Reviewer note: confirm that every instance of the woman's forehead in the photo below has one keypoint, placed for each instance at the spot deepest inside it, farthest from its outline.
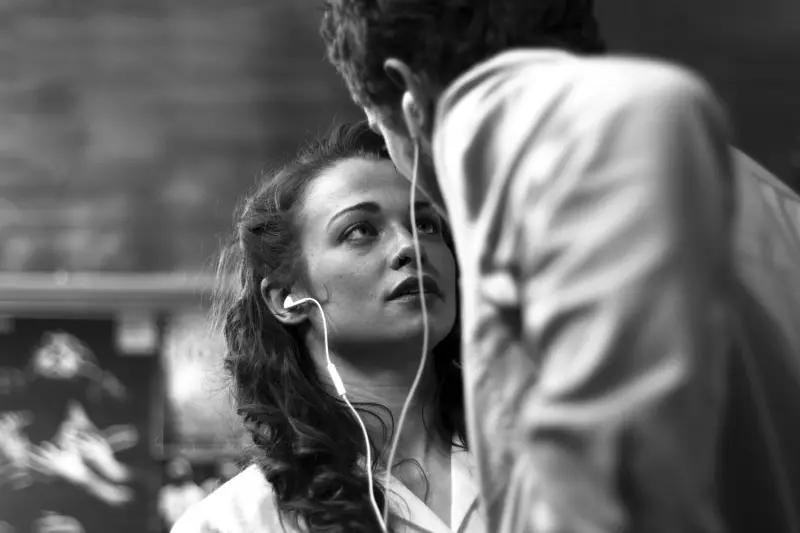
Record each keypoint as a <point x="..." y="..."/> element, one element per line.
<point x="355" y="181"/>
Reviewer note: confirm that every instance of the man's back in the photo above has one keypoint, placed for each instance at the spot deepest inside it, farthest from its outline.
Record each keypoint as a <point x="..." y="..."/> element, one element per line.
<point x="603" y="237"/>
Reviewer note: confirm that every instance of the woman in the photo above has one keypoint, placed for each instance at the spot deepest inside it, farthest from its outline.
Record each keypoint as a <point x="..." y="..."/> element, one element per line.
<point x="335" y="225"/>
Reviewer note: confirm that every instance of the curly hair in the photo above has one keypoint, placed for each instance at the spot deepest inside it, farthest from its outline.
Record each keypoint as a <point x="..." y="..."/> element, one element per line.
<point x="306" y="442"/>
<point x="444" y="38"/>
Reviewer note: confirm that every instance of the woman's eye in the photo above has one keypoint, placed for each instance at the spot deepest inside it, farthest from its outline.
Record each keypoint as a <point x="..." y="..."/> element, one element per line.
<point x="430" y="226"/>
<point x="359" y="231"/>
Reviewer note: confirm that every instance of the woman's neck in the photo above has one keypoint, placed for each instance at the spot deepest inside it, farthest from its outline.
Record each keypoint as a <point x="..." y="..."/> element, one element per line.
<point x="417" y="437"/>
<point x="388" y="386"/>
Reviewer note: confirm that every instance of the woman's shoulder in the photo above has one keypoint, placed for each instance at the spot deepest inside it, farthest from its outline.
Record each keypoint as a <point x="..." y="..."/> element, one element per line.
<point x="243" y="504"/>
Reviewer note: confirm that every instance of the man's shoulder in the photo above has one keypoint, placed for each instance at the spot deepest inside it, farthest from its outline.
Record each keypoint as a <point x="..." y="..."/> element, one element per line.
<point x="245" y="503"/>
<point x="619" y="84"/>
<point x="612" y="75"/>
<point x="544" y="85"/>
<point x="535" y="108"/>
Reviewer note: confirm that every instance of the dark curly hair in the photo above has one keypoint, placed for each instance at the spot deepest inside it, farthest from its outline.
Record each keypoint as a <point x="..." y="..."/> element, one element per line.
<point x="444" y="38"/>
<point x="306" y="442"/>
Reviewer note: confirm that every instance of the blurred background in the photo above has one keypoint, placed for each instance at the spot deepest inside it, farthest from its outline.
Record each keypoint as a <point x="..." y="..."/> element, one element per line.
<point x="128" y="130"/>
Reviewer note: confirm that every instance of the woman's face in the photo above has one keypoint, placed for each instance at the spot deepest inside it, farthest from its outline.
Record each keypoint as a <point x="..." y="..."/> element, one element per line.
<point x="357" y="245"/>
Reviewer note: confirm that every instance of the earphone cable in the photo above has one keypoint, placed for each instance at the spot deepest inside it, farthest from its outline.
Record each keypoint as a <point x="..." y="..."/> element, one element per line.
<point x="425" y="331"/>
<point x="339" y="385"/>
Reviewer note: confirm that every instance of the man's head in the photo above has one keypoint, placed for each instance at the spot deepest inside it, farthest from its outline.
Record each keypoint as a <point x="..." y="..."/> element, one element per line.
<point x="397" y="56"/>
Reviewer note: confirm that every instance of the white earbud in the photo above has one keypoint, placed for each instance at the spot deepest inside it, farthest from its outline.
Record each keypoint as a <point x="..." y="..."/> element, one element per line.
<point x="288" y="303"/>
<point x="409" y="104"/>
<point x="413" y="115"/>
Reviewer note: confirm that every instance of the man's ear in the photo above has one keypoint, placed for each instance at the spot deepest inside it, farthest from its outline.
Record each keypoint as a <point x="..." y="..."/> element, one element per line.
<point x="274" y="296"/>
<point x="415" y="104"/>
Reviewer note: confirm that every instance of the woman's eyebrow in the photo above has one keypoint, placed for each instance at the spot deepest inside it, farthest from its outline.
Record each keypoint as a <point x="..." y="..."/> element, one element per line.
<point x="371" y="207"/>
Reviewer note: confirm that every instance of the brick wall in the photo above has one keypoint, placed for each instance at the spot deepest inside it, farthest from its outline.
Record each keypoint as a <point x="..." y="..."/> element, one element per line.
<point x="128" y="128"/>
<point x="750" y="51"/>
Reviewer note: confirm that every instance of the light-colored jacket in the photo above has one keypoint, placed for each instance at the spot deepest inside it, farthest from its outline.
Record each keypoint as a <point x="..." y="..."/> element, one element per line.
<point x="629" y="287"/>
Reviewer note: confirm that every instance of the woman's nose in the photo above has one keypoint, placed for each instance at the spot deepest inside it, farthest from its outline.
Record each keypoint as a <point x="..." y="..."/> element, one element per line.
<point x="406" y="253"/>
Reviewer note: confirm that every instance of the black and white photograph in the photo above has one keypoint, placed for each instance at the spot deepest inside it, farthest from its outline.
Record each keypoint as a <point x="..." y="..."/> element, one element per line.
<point x="400" y="266"/>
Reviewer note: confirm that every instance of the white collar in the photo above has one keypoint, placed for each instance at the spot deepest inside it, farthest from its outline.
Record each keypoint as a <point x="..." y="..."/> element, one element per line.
<point x="465" y="516"/>
<point x="247" y="503"/>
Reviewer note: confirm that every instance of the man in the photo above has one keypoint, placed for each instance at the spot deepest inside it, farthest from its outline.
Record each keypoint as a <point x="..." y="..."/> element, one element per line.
<point x="609" y="301"/>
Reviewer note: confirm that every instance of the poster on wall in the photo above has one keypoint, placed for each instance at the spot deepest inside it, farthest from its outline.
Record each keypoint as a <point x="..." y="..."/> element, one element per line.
<point x="73" y="424"/>
<point x="203" y="439"/>
<point x="200" y="415"/>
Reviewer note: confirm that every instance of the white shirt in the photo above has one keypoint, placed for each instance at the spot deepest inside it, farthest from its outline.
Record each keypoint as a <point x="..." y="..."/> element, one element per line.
<point x="245" y="504"/>
<point x="175" y="500"/>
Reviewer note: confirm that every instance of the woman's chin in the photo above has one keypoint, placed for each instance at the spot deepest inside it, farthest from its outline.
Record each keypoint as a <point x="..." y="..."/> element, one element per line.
<point x="438" y="328"/>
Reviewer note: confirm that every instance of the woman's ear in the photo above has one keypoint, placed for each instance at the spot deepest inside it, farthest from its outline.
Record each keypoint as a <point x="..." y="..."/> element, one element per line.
<point x="274" y="296"/>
